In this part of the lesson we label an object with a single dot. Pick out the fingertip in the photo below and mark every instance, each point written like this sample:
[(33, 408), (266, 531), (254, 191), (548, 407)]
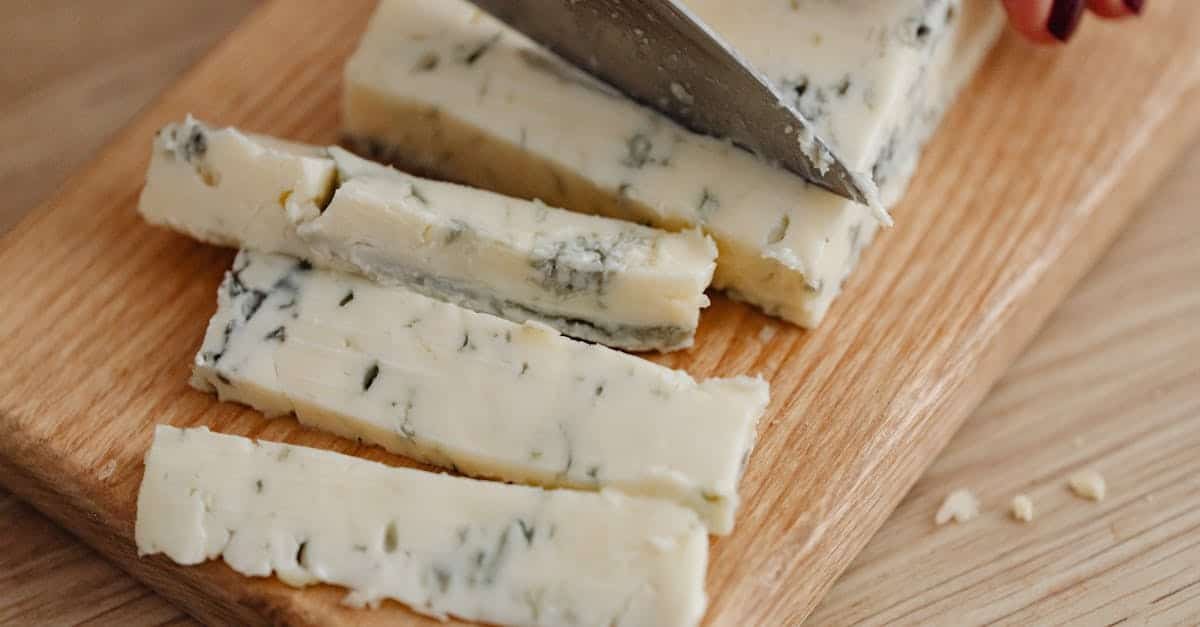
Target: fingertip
[(1030, 18), (1116, 8)]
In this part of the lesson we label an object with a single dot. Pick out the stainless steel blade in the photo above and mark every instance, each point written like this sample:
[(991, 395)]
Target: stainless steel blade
[(660, 54)]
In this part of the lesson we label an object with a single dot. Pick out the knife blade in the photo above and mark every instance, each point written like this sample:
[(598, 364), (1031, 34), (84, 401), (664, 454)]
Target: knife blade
[(660, 54)]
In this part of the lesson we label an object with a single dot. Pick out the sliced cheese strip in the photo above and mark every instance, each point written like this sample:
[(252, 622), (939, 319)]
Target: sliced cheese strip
[(229, 189), (442, 545), (599, 279), (474, 392), (442, 88)]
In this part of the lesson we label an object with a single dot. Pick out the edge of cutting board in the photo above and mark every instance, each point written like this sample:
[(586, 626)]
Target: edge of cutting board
[(105, 310)]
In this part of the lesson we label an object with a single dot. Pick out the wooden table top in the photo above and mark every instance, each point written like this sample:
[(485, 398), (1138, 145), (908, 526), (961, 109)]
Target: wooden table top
[(1113, 381)]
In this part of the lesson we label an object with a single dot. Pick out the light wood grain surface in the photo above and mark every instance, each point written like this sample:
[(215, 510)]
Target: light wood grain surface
[(74, 72), (1112, 383)]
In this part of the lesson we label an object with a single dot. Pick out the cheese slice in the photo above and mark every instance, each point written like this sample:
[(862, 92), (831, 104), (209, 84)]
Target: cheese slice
[(473, 392), (444, 89), (443, 545), (599, 279), (229, 189)]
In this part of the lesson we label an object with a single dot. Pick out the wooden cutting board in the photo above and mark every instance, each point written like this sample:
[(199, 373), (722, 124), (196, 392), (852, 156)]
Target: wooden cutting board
[(1035, 170)]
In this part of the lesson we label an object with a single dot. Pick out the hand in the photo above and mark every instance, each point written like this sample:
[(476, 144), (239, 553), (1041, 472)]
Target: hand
[(1054, 21)]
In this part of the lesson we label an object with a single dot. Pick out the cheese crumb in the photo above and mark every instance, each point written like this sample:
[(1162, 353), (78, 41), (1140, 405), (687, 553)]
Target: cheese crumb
[(1022, 508), (766, 333), (961, 506), (1088, 484)]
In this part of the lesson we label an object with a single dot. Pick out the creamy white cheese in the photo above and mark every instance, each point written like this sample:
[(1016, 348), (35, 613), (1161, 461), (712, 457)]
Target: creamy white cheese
[(595, 278), (223, 187), (474, 392), (442, 88), (442, 545)]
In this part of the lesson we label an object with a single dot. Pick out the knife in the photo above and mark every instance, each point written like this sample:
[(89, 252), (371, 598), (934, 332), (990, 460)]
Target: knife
[(660, 54)]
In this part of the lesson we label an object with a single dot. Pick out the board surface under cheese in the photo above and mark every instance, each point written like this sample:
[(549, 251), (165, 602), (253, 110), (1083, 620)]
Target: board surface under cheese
[(470, 391), (443, 545), (442, 88), (604, 280)]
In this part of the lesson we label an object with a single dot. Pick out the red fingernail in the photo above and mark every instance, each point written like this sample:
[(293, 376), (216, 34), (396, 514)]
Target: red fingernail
[(1135, 5), (1064, 18)]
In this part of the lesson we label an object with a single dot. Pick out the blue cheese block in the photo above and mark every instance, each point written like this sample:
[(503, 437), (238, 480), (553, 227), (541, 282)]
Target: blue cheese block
[(873, 76), (442, 88), (442, 545), (473, 392), (595, 278)]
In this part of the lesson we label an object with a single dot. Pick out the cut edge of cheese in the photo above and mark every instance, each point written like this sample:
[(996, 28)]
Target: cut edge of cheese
[(442, 545), (473, 392), (598, 279)]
